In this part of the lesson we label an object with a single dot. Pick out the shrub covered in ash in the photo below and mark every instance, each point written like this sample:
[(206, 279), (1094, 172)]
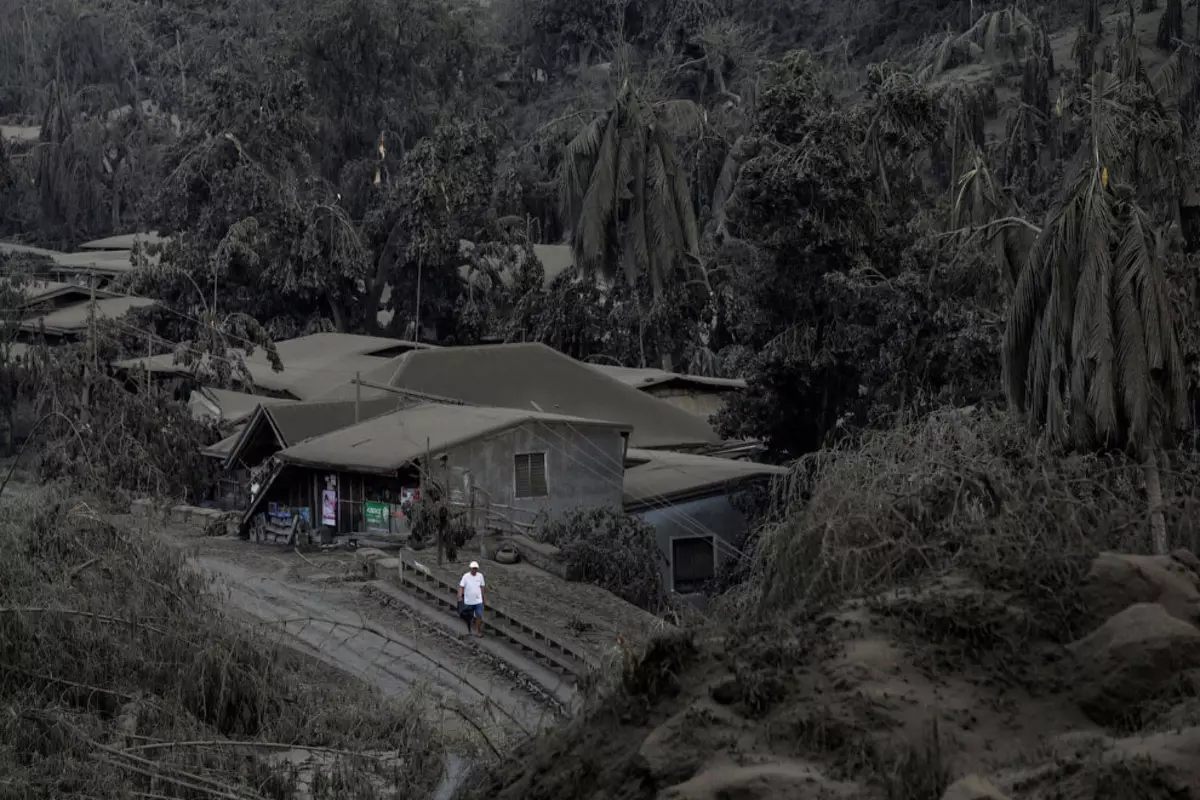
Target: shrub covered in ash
[(962, 492), (610, 549), (121, 676)]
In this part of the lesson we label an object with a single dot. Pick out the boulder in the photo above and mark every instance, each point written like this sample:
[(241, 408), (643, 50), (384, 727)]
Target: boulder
[(1136, 656), (1187, 558), (973, 787), (1175, 754), (1117, 581)]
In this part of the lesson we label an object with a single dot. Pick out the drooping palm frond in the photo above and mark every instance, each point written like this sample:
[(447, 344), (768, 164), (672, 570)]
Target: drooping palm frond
[(1006, 32), (625, 194), (1090, 350)]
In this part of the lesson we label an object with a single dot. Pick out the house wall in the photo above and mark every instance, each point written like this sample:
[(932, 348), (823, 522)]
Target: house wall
[(584, 467), (701, 403), (704, 516)]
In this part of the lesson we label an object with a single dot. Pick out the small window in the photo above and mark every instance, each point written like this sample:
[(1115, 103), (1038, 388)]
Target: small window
[(531, 475), (693, 562)]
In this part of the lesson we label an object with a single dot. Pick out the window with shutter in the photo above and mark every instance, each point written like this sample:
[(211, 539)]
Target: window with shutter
[(531, 475)]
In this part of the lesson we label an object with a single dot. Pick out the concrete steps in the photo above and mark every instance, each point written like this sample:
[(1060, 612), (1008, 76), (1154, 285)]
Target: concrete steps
[(520, 634)]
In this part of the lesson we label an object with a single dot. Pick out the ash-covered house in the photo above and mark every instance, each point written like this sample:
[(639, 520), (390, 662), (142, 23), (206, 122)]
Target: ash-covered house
[(692, 502), (515, 433), (695, 394), (508, 467)]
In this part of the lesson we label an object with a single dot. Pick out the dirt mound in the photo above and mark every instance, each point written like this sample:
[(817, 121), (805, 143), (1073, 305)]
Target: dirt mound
[(893, 696), (941, 602)]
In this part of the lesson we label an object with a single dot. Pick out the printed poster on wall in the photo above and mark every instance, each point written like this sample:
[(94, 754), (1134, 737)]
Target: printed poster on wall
[(376, 515), (329, 507)]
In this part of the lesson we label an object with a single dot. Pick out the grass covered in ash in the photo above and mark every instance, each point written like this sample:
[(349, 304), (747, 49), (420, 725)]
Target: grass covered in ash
[(121, 676), (961, 493)]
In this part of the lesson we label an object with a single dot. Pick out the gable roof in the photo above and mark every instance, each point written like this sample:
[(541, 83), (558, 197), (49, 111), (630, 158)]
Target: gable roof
[(312, 365), (292, 423), (38, 292), (233, 406), (298, 422), (536, 377), (644, 378), (223, 448), (658, 476), (388, 442), (74, 318)]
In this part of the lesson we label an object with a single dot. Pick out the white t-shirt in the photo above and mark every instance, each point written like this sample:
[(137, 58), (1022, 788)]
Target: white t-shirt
[(472, 586)]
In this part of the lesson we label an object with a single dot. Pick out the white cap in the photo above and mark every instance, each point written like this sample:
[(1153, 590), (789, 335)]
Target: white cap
[(474, 565)]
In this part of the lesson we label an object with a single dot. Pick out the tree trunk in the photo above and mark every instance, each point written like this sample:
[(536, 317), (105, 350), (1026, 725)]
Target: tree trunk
[(339, 317), (382, 268), (1158, 522)]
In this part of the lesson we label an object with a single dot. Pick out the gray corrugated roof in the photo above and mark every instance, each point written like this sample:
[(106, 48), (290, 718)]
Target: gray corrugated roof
[(645, 378), (312, 365), (223, 448), (236, 406), (388, 442), (298, 422), (122, 241), (662, 475), (74, 318), (330, 346), (37, 292), (537, 377)]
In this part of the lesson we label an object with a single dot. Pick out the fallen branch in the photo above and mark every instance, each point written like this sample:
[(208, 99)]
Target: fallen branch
[(71, 612), (142, 748)]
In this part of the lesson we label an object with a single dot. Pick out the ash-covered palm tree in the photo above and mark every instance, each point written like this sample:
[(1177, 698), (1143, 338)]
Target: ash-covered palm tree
[(1091, 352), (625, 195)]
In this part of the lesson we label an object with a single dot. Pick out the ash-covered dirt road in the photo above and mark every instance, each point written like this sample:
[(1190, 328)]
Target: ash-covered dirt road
[(307, 603)]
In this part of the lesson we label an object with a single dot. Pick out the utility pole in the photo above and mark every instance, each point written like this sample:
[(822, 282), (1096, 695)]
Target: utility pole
[(357, 395), (417, 325)]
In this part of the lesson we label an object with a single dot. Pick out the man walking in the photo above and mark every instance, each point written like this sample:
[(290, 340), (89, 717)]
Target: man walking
[(470, 594)]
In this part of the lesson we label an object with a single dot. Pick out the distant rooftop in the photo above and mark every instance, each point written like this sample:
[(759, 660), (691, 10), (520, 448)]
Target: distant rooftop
[(124, 241), (534, 376), (555, 259), (101, 262), (644, 378), (38, 292), (312, 365), (74, 319)]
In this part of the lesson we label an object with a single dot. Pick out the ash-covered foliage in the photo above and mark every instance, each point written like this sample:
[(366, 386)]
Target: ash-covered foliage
[(610, 549), (962, 492), (121, 676)]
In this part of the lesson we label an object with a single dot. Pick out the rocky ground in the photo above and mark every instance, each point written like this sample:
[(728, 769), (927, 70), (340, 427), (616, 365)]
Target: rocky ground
[(938, 690)]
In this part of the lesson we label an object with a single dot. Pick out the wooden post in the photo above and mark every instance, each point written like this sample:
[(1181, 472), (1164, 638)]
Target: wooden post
[(149, 355), (357, 394), (437, 529)]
